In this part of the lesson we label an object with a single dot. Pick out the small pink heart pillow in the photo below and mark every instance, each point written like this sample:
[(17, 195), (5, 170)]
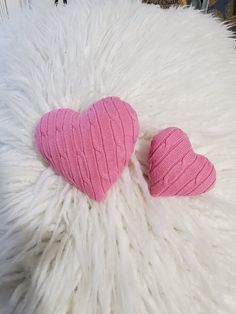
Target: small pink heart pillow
[(89, 149), (175, 169)]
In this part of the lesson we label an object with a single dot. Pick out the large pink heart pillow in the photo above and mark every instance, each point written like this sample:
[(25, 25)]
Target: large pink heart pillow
[(89, 149)]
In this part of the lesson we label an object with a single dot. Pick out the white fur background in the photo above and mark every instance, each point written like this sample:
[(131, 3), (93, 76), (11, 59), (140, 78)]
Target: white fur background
[(60, 252)]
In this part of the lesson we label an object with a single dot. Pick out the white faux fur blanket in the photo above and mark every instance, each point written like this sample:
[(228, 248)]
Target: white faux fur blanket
[(60, 252)]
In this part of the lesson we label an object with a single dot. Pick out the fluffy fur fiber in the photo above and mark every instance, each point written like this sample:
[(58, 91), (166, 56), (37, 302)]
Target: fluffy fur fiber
[(62, 253)]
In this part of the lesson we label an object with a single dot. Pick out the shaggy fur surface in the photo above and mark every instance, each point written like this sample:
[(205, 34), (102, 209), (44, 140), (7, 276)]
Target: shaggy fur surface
[(62, 253)]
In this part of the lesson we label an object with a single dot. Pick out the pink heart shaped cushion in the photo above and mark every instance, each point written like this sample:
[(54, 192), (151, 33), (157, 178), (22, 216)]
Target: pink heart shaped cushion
[(89, 149), (175, 169)]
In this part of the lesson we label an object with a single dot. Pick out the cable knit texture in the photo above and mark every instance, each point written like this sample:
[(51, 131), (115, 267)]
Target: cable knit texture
[(89, 149), (175, 169)]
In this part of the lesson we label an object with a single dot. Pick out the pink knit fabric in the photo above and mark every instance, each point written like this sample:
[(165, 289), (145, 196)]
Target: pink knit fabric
[(89, 149), (174, 168)]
